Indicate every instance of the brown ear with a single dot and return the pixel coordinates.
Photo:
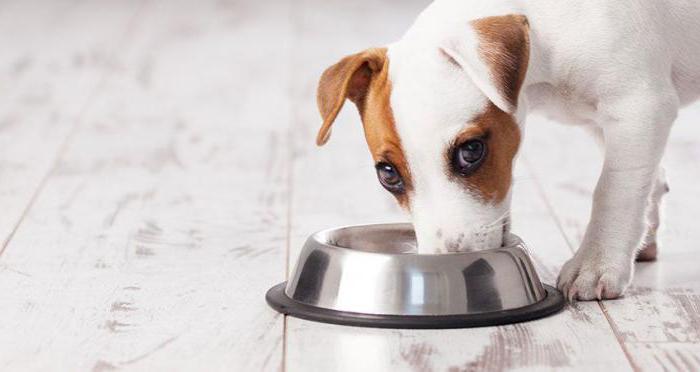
(349, 78)
(498, 62)
(505, 47)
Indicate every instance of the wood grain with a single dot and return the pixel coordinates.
(164, 221)
(49, 69)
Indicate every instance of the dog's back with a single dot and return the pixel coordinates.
(623, 38)
(599, 39)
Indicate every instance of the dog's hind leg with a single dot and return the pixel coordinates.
(649, 247)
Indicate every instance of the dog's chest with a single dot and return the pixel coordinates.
(562, 103)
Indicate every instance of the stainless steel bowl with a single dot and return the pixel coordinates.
(370, 275)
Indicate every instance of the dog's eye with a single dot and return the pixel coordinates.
(389, 177)
(468, 156)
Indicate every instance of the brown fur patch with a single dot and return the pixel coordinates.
(502, 136)
(380, 130)
(504, 45)
(347, 79)
(364, 79)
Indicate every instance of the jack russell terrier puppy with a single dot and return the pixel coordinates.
(444, 108)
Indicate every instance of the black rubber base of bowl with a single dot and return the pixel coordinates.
(278, 300)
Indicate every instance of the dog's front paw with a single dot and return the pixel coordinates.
(594, 276)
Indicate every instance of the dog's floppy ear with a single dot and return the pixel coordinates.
(494, 52)
(349, 78)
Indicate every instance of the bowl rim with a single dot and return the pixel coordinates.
(515, 242)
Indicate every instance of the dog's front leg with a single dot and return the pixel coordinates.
(635, 134)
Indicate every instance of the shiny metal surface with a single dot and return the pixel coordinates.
(371, 269)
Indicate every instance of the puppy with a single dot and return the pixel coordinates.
(444, 109)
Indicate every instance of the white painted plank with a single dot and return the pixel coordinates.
(153, 242)
(336, 185)
(667, 356)
(659, 318)
(49, 68)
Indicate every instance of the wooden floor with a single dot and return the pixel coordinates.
(158, 174)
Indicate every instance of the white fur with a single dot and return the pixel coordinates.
(444, 213)
(623, 66)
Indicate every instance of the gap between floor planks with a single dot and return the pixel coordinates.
(63, 145)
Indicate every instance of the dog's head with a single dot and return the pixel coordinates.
(440, 115)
